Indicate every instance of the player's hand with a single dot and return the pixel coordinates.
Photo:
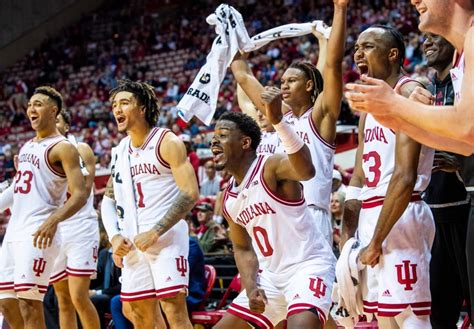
(370, 255)
(120, 245)
(257, 300)
(372, 96)
(421, 95)
(319, 35)
(145, 240)
(271, 98)
(341, 3)
(445, 162)
(118, 261)
(43, 237)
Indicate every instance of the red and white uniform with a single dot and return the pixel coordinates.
(401, 279)
(38, 191)
(457, 75)
(79, 237)
(317, 190)
(269, 143)
(297, 264)
(161, 271)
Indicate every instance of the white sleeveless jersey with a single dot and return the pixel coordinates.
(154, 186)
(83, 225)
(38, 189)
(378, 160)
(283, 232)
(269, 143)
(317, 190)
(457, 75)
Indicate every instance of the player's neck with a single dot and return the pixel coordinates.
(393, 78)
(139, 134)
(46, 132)
(242, 168)
(300, 109)
(457, 33)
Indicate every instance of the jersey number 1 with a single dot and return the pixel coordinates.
(259, 234)
(141, 204)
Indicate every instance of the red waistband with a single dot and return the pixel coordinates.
(378, 200)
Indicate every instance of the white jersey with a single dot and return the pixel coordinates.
(154, 186)
(283, 232)
(317, 190)
(269, 143)
(457, 75)
(83, 225)
(378, 160)
(38, 189)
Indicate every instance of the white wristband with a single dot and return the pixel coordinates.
(290, 140)
(352, 193)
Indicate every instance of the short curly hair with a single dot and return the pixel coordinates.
(246, 125)
(53, 94)
(144, 94)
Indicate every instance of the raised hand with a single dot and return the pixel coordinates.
(271, 98)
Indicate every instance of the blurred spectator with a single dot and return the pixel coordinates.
(211, 184)
(192, 156)
(337, 185)
(212, 236)
(337, 212)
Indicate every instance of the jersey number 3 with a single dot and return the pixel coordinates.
(374, 169)
(23, 182)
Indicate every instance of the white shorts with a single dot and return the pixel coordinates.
(25, 270)
(323, 219)
(162, 271)
(76, 258)
(307, 286)
(401, 279)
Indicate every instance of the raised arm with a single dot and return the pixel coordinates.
(173, 152)
(67, 156)
(296, 164)
(330, 99)
(352, 205)
(323, 50)
(245, 104)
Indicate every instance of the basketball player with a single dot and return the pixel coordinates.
(453, 20)
(77, 259)
(271, 227)
(47, 165)
(312, 111)
(395, 225)
(150, 167)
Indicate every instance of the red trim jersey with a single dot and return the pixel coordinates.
(457, 75)
(38, 189)
(378, 160)
(153, 183)
(283, 232)
(269, 143)
(317, 190)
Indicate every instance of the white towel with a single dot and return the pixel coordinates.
(348, 283)
(200, 99)
(124, 190)
(289, 31)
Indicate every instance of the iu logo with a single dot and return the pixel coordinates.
(318, 287)
(182, 265)
(39, 265)
(95, 253)
(205, 78)
(406, 274)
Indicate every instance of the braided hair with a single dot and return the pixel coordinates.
(145, 96)
(313, 74)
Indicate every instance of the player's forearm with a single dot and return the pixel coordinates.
(182, 205)
(350, 220)
(397, 198)
(109, 217)
(247, 264)
(456, 125)
(6, 199)
(76, 201)
(337, 38)
(302, 164)
(322, 55)
(436, 141)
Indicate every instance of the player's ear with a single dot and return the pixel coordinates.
(309, 85)
(393, 55)
(246, 142)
